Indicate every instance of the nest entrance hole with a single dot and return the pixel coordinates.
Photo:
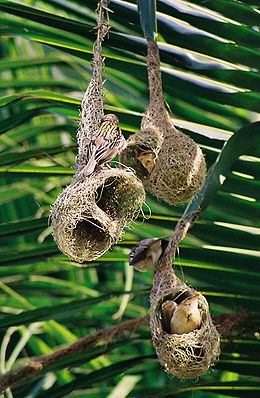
(178, 298)
(88, 227)
(130, 157)
(136, 153)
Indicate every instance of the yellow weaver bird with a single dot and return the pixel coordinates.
(104, 145)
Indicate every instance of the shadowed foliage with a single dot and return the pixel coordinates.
(210, 71)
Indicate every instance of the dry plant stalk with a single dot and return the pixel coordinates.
(178, 168)
(225, 323)
(90, 214)
(38, 364)
(92, 107)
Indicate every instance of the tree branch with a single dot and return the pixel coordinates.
(38, 364)
(224, 324)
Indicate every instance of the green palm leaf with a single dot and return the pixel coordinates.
(210, 70)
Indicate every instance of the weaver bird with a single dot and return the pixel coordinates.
(146, 253)
(104, 145)
(147, 158)
(186, 316)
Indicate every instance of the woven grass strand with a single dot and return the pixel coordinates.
(90, 214)
(179, 167)
(92, 107)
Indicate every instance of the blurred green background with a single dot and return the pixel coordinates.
(210, 70)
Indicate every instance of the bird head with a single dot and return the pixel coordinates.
(191, 301)
(148, 250)
(110, 117)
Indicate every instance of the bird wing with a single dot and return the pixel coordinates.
(90, 152)
(108, 142)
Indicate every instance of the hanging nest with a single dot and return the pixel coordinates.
(89, 215)
(187, 355)
(170, 164)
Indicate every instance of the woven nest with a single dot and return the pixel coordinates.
(170, 164)
(89, 215)
(187, 355)
(179, 165)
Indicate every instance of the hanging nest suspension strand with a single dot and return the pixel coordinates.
(89, 215)
(183, 355)
(170, 164)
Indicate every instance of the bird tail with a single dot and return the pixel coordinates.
(90, 167)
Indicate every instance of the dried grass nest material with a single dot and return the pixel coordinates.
(173, 167)
(179, 165)
(186, 355)
(89, 215)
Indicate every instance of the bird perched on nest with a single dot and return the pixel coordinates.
(181, 318)
(104, 145)
(145, 254)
